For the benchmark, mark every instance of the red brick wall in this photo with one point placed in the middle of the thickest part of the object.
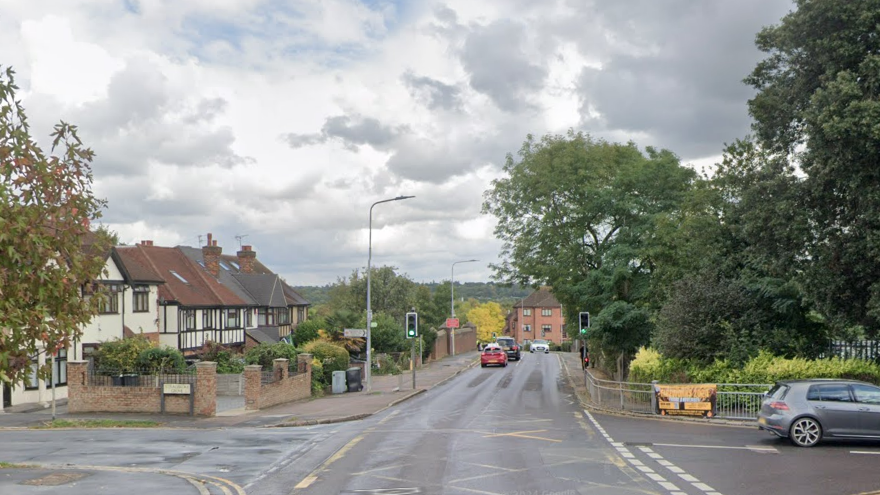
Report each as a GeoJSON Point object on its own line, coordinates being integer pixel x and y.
{"type": "Point", "coordinates": [465, 340]}
{"type": "Point", "coordinates": [441, 345]}
{"type": "Point", "coordinates": [82, 397]}
{"type": "Point", "coordinates": [287, 389]}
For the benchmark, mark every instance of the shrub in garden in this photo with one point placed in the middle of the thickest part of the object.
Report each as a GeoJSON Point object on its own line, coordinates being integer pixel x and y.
{"type": "Point", "coordinates": [158, 360]}
{"type": "Point", "coordinates": [332, 357]}
{"type": "Point", "coordinates": [227, 361]}
{"type": "Point", "coordinates": [266, 354]}
{"type": "Point", "coordinates": [121, 355]}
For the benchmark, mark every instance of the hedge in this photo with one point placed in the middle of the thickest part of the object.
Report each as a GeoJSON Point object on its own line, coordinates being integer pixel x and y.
{"type": "Point", "coordinates": [333, 357]}
{"type": "Point", "coordinates": [650, 365]}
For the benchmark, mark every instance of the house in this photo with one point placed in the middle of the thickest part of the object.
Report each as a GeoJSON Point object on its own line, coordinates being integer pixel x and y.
{"type": "Point", "coordinates": [537, 316]}
{"type": "Point", "coordinates": [130, 308]}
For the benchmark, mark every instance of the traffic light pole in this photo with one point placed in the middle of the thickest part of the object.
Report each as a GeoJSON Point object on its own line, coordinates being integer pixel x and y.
{"type": "Point", "coordinates": [413, 360]}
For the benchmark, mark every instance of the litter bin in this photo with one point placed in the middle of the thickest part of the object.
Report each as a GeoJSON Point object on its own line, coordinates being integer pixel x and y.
{"type": "Point", "coordinates": [338, 385]}
{"type": "Point", "coordinates": [353, 376]}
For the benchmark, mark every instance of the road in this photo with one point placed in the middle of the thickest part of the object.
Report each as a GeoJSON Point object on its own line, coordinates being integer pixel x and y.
{"type": "Point", "coordinates": [513, 430]}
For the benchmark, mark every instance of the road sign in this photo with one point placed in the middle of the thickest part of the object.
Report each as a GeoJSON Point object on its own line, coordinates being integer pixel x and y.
{"type": "Point", "coordinates": [354, 333]}
{"type": "Point", "coordinates": [451, 322]}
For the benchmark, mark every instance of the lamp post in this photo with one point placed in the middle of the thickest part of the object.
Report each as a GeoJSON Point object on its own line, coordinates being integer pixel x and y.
{"type": "Point", "coordinates": [369, 367]}
{"type": "Point", "coordinates": [452, 297]}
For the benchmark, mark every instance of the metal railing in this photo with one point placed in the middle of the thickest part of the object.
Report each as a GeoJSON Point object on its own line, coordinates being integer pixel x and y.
{"type": "Point", "coordinates": [733, 401]}
{"type": "Point", "coordinates": [137, 378]}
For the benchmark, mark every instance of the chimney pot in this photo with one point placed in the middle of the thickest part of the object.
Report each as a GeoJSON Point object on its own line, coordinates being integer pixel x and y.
{"type": "Point", "coordinates": [245, 248]}
{"type": "Point", "coordinates": [209, 239]}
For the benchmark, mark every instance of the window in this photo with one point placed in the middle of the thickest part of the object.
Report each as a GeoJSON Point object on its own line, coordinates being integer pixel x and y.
{"type": "Point", "coordinates": [300, 314]}
{"type": "Point", "coordinates": [178, 276]}
{"type": "Point", "coordinates": [283, 316]}
{"type": "Point", "coordinates": [32, 380]}
{"type": "Point", "coordinates": [235, 265]}
{"type": "Point", "coordinates": [546, 329]}
{"type": "Point", "coordinates": [527, 328]}
{"type": "Point", "coordinates": [232, 318]}
{"type": "Point", "coordinates": [189, 316]}
{"type": "Point", "coordinates": [207, 318]}
{"type": "Point", "coordinates": [265, 316]}
{"type": "Point", "coordinates": [546, 312]}
{"type": "Point", "coordinates": [61, 367]}
{"type": "Point", "coordinates": [223, 266]}
{"type": "Point", "coordinates": [866, 393]}
{"type": "Point", "coordinates": [141, 298]}
{"type": "Point", "coordinates": [527, 312]}
{"type": "Point", "coordinates": [249, 317]}
{"type": "Point", "coordinates": [110, 305]}
{"type": "Point", "coordinates": [830, 392]}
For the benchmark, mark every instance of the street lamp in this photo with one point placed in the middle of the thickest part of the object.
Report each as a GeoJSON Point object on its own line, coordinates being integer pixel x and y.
{"type": "Point", "coordinates": [452, 297]}
{"type": "Point", "coordinates": [369, 367]}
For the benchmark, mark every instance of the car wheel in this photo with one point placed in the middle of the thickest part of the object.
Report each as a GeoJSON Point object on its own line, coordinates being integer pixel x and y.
{"type": "Point", "coordinates": [805, 432]}
{"type": "Point", "coordinates": [482, 365]}
{"type": "Point", "coordinates": [532, 352]}
{"type": "Point", "coordinates": [504, 365]}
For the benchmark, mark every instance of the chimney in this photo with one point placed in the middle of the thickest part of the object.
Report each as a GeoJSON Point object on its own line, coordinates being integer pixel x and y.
{"type": "Point", "coordinates": [211, 253]}
{"type": "Point", "coordinates": [246, 259]}
{"type": "Point", "coordinates": [146, 243]}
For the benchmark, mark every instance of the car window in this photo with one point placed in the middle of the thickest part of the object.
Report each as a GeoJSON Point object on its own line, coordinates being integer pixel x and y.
{"type": "Point", "coordinates": [831, 392]}
{"type": "Point", "coordinates": [504, 341]}
{"type": "Point", "coordinates": [778, 392]}
{"type": "Point", "coordinates": [866, 394]}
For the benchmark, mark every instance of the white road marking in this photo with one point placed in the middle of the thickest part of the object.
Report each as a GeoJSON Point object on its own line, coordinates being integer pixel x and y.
{"type": "Point", "coordinates": [864, 452]}
{"type": "Point", "coordinates": [755, 448]}
{"type": "Point", "coordinates": [670, 487]}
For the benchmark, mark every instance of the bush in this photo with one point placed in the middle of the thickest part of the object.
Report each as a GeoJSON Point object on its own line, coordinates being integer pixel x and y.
{"type": "Point", "coordinates": [121, 355]}
{"type": "Point", "coordinates": [566, 346]}
{"type": "Point", "coordinates": [161, 360]}
{"type": "Point", "coordinates": [266, 354]}
{"type": "Point", "coordinates": [332, 357]}
{"type": "Point", "coordinates": [764, 368]}
{"type": "Point", "coordinates": [318, 383]}
{"type": "Point", "coordinates": [307, 331]}
{"type": "Point", "coordinates": [227, 361]}
{"type": "Point", "coordinates": [387, 365]}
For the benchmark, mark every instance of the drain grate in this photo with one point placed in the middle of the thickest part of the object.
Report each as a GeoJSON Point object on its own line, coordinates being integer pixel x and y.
{"type": "Point", "coordinates": [55, 479]}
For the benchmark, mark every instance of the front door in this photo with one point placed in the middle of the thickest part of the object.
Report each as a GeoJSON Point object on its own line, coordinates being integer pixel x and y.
{"type": "Point", "coordinates": [7, 395]}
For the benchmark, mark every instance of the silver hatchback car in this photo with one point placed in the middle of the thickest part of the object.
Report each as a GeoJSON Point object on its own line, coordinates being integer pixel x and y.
{"type": "Point", "coordinates": [806, 411]}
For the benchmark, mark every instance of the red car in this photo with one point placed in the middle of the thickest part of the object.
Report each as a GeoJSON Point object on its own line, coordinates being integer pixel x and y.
{"type": "Point", "coordinates": [493, 354]}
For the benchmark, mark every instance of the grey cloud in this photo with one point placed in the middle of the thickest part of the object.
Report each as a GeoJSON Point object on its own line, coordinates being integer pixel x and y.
{"type": "Point", "coordinates": [422, 160]}
{"type": "Point", "coordinates": [435, 94]}
{"type": "Point", "coordinates": [498, 66]}
{"type": "Point", "coordinates": [352, 131]}
{"type": "Point", "coordinates": [677, 74]}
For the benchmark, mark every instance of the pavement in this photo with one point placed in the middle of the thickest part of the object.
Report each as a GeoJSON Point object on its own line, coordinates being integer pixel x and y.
{"type": "Point", "coordinates": [387, 391]}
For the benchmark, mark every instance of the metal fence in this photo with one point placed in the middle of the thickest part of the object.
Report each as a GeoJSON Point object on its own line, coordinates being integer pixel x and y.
{"type": "Point", "coordinates": [138, 378]}
{"type": "Point", "coordinates": [869, 350]}
{"type": "Point", "coordinates": [734, 400]}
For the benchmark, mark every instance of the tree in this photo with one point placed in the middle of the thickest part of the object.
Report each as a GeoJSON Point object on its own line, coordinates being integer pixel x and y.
{"type": "Point", "coordinates": [818, 102]}
{"type": "Point", "coordinates": [49, 254]}
{"type": "Point", "coordinates": [489, 319]}
{"type": "Point", "coordinates": [579, 214]}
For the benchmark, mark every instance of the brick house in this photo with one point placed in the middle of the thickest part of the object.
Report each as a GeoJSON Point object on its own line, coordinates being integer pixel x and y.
{"type": "Point", "coordinates": [537, 316]}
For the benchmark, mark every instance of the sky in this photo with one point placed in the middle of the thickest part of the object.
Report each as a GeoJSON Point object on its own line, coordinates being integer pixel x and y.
{"type": "Point", "coordinates": [282, 122]}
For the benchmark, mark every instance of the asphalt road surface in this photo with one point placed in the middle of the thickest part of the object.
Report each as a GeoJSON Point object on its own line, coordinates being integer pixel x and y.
{"type": "Point", "coordinates": [513, 431]}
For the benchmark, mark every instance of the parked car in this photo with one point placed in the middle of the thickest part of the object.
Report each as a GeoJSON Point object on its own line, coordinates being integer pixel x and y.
{"type": "Point", "coordinates": [807, 411]}
{"type": "Point", "coordinates": [510, 347]}
{"type": "Point", "coordinates": [539, 346]}
{"type": "Point", "coordinates": [493, 354]}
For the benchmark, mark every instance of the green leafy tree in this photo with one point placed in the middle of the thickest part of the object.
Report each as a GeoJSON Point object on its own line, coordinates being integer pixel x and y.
{"type": "Point", "coordinates": [161, 360]}
{"type": "Point", "coordinates": [389, 334]}
{"type": "Point", "coordinates": [308, 330]}
{"type": "Point", "coordinates": [579, 214]}
{"type": "Point", "coordinates": [818, 102]}
{"type": "Point", "coordinates": [49, 254]}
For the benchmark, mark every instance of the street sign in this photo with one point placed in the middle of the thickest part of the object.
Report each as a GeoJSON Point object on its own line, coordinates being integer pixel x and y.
{"type": "Point", "coordinates": [451, 322]}
{"type": "Point", "coordinates": [354, 333]}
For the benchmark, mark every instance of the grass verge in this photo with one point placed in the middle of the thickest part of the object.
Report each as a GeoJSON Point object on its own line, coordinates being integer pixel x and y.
{"type": "Point", "coordinates": [97, 423]}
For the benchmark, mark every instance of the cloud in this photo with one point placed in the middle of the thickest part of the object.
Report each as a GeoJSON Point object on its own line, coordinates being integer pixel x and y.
{"type": "Point", "coordinates": [351, 131]}
{"type": "Point", "coordinates": [435, 94]}
{"type": "Point", "coordinates": [498, 66]}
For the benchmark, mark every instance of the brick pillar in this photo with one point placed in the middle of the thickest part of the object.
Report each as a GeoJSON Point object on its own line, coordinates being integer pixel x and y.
{"type": "Point", "coordinates": [252, 384]}
{"type": "Point", "coordinates": [206, 389]}
{"type": "Point", "coordinates": [307, 359]}
{"type": "Point", "coordinates": [279, 366]}
{"type": "Point", "coordinates": [76, 384]}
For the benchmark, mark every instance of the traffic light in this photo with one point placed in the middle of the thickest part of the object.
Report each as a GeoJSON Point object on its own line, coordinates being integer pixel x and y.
{"type": "Point", "coordinates": [412, 325]}
{"type": "Point", "coordinates": [584, 320]}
